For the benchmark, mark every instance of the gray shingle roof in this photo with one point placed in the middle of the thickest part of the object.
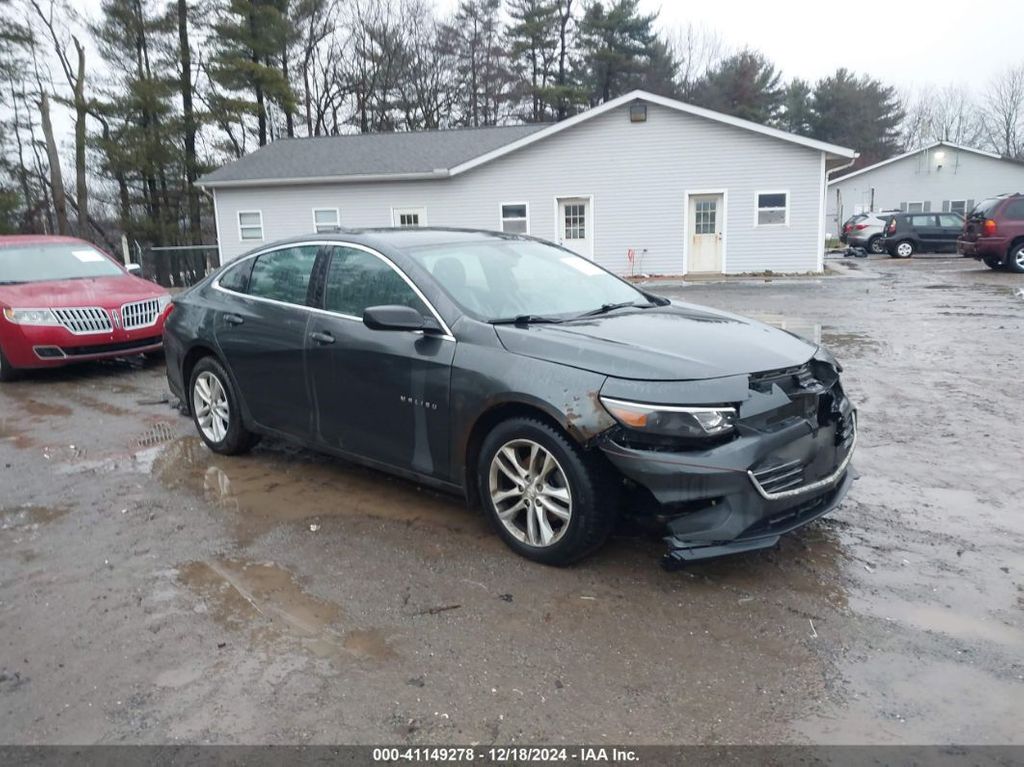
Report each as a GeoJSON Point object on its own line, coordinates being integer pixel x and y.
{"type": "Point", "coordinates": [367, 154]}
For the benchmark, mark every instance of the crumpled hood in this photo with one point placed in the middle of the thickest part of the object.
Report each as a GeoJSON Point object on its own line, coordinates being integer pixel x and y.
{"type": "Point", "coordinates": [107, 292]}
{"type": "Point", "coordinates": [671, 343]}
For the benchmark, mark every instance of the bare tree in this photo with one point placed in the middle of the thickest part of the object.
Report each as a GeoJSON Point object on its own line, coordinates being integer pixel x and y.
{"type": "Point", "coordinates": [1004, 111]}
{"type": "Point", "coordinates": [947, 114]}
{"type": "Point", "coordinates": [697, 48]}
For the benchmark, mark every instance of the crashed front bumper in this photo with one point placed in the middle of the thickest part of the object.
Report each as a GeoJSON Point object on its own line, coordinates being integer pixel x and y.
{"type": "Point", "coordinates": [744, 494]}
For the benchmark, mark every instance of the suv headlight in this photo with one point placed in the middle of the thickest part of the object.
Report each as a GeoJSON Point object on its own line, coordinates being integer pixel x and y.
{"type": "Point", "coordinates": [30, 316]}
{"type": "Point", "coordinates": [672, 420]}
{"type": "Point", "coordinates": [163, 302]}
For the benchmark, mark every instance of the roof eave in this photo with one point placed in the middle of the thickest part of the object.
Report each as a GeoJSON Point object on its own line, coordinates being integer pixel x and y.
{"type": "Point", "coordinates": [313, 180]}
{"type": "Point", "coordinates": [912, 152]}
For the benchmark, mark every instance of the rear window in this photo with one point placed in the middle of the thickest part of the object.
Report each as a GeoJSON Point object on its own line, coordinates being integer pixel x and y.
{"type": "Point", "coordinates": [1014, 210]}
{"type": "Point", "coordinates": [985, 208]}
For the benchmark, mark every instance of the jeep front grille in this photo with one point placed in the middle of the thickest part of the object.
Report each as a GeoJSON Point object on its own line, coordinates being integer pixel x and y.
{"type": "Point", "coordinates": [84, 320]}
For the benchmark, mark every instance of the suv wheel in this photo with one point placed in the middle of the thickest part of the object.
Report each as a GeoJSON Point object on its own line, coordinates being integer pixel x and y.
{"type": "Point", "coordinates": [549, 501]}
{"type": "Point", "coordinates": [903, 249]}
{"type": "Point", "coordinates": [875, 245]}
{"type": "Point", "coordinates": [1015, 258]}
{"type": "Point", "coordinates": [215, 411]}
{"type": "Point", "coordinates": [7, 372]}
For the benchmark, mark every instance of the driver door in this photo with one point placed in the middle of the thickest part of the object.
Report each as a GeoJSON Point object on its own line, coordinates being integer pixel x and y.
{"type": "Point", "coordinates": [378, 394]}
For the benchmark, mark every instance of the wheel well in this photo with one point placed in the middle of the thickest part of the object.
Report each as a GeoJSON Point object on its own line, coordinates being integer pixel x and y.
{"type": "Point", "coordinates": [188, 364]}
{"type": "Point", "coordinates": [487, 421]}
{"type": "Point", "coordinates": [1017, 241]}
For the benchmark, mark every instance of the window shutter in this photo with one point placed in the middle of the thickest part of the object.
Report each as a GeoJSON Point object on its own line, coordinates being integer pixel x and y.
{"type": "Point", "coordinates": [927, 206]}
{"type": "Point", "coordinates": [970, 205]}
{"type": "Point", "coordinates": [903, 207]}
{"type": "Point", "coordinates": [945, 206]}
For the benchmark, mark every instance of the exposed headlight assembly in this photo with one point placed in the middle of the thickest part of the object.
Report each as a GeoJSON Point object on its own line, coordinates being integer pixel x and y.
{"type": "Point", "coordinates": [163, 302]}
{"type": "Point", "coordinates": [672, 420]}
{"type": "Point", "coordinates": [30, 317]}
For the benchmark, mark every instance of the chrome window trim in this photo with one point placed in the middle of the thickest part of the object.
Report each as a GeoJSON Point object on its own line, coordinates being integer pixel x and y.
{"type": "Point", "coordinates": [820, 484]}
{"type": "Point", "coordinates": [445, 336]}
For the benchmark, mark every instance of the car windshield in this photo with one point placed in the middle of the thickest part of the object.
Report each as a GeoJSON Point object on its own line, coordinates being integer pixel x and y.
{"type": "Point", "coordinates": [53, 261]}
{"type": "Point", "coordinates": [502, 279]}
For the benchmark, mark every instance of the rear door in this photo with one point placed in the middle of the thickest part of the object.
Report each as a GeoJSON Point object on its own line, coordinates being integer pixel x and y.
{"type": "Point", "coordinates": [380, 394]}
{"type": "Point", "coordinates": [925, 228]}
{"type": "Point", "coordinates": [262, 335]}
{"type": "Point", "coordinates": [950, 227]}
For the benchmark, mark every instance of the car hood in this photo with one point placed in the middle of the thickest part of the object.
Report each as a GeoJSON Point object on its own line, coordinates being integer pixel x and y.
{"type": "Point", "coordinates": [679, 342]}
{"type": "Point", "coordinates": [107, 292]}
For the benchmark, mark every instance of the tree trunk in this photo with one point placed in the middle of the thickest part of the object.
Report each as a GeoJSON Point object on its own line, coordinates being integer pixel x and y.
{"type": "Point", "coordinates": [563, 55]}
{"type": "Point", "coordinates": [60, 205]}
{"type": "Point", "coordinates": [189, 120]}
{"type": "Point", "coordinates": [289, 117]}
{"type": "Point", "coordinates": [81, 110]}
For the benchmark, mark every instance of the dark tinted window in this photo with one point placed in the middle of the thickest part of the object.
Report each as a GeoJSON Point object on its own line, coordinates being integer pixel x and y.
{"type": "Point", "coordinates": [1014, 210]}
{"type": "Point", "coordinates": [357, 279]}
{"type": "Point", "coordinates": [236, 277]}
{"type": "Point", "coordinates": [283, 275]}
{"type": "Point", "coordinates": [984, 208]}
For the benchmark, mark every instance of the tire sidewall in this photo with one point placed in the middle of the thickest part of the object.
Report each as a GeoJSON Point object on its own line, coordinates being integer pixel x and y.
{"type": "Point", "coordinates": [1012, 263]}
{"type": "Point", "coordinates": [577, 540]}
{"type": "Point", "coordinates": [237, 436]}
{"type": "Point", "coordinates": [875, 245]}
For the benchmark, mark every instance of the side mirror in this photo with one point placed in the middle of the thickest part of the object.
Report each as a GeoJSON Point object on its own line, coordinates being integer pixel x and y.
{"type": "Point", "coordinates": [397, 318]}
{"type": "Point", "coordinates": [135, 269]}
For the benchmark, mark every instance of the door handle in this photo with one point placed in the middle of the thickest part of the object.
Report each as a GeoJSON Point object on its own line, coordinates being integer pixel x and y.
{"type": "Point", "coordinates": [322, 338]}
{"type": "Point", "coordinates": [234, 319]}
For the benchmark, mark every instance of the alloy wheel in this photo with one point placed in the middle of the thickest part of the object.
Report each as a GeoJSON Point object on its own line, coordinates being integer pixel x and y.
{"type": "Point", "coordinates": [210, 404]}
{"type": "Point", "coordinates": [1018, 259]}
{"type": "Point", "coordinates": [530, 493]}
{"type": "Point", "coordinates": [904, 250]}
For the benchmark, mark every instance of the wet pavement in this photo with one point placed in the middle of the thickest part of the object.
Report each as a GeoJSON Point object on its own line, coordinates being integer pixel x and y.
{"type": "Point", "coordinates": [153, 592]}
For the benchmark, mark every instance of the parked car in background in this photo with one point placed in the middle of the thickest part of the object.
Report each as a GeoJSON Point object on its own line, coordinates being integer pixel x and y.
{"type": "Point", "coordinates": [63, 301]}
{"type": "Point", "coordinates": [994, 233]}
{"type": "Point", "coordinates": [844, 234]}
{"type": "Point", "coordinates": [523, 376]}
{"type": "Point", "coordinates": [909, 233]}
{"type": "Point", "coordinates": [867, 231]}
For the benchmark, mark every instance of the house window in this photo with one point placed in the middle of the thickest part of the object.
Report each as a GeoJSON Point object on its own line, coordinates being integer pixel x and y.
{"type": "Point", "coordinates": [326, 219]}
{"type": "Point", "coordinates": [958, 206]}
{"type": "Point", "coordinates": [250, 225]}
{"type": "Point", "coordinates": [408, 216]}
{"type": "Point", "coordinates": [915, 207]}
{"type": "Point", "coordinates": [772, 209]}
{"type": "Point", "coordinates": [576, 221]}
{"type": "Point", "coordinates": [515, 218]}
{"type": "Point", "coordinates": [705, 212]}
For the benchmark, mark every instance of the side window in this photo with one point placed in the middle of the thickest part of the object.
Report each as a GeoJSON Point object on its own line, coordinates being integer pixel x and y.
{"type": "Point", "coordinates": [357, 279]}
{"type": "Point", "coordinates": [1014, 210]}
{"type": "Point", "coordinates": [920, 222]}
{"type": "Point", "coordinates": [949, 221]}
{"type": "Point", "coordinates": [236, 277]}
{"type": "Point", "coordinates": [283, 275]}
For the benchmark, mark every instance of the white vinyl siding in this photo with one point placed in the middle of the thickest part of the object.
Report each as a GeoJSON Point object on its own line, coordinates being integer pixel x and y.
{"type": "Point", "coordinates": [250, 225]}
{"type": "Point", "coordinates": [515, 217]}
{"type": "Point", "coordinates": [636, 175]}
{"type": "Point", "coordinates": [326, 219]}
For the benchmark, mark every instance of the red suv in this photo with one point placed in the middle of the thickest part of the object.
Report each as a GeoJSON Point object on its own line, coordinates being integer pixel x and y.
{"type": "Point", "coordinates": [994, 233]}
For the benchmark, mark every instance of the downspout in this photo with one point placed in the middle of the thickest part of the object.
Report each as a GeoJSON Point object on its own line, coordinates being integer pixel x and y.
{"type": "Point", "coordinates": [828, 175]}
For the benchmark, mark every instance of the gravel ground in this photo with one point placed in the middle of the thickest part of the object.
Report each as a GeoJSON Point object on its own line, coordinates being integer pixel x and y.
{"type": "Point", "coordinates": [152, 592]}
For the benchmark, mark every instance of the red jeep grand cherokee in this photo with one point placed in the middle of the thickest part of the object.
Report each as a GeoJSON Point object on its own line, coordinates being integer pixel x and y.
{"type": "Point", "coordinates": [994, 233]}
{"type": "Point", "coordinates": [64, 301]}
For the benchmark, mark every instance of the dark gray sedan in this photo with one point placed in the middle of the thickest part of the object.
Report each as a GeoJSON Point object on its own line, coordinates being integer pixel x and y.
{"type": "Point", "coordinates": [522, 376]}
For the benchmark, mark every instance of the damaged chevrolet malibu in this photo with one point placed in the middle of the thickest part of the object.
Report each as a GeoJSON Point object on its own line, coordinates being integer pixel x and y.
{"type": "Point", "coordinates": [524, 377]}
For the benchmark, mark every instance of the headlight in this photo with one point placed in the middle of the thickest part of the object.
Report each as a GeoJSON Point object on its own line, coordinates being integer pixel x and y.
{"type": "Point", "coordinates": [163, 302]}
{"type": "Point", "coordinates": [672, 420]}
{"type": "Point", "coordinates": [30, 316]}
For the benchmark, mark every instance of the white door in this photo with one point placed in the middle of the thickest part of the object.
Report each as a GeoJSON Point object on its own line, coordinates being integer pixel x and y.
{"type": "Point", "coordinates": [575, 225]}
{"type": "Point", "coordinates": [705, 233]}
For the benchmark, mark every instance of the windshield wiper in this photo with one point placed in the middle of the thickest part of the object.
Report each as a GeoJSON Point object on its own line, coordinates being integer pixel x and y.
{"type": "Point", "coordinates": [605, 308]}
{"type": "Point", "coordinates": [525, 319]}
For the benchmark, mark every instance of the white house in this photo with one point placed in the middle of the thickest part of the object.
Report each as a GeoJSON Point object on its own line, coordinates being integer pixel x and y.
{"type": "Point", "coordinates": [641, 184]}
{"type": "Point", "coordinates": [940, 177]}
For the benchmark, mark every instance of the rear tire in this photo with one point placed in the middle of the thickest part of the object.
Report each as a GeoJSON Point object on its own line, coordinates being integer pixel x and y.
{"type": "Point", "coordinates": [875, 245]}
{"type": "Point", "coordinates": [215, 411]}
{"type": "Point", "coordinates": [7, 371]}
{"type": "Point", "coordinates": [1015, 258]}
{"type": "Point", "coordinates": [535, 483]}
{"type": "Point", "coordinates": [903, 249]}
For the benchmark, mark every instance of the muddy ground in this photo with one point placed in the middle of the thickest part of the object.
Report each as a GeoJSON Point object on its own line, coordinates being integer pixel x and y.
{"type": "Point", "coordinates": [151, 591]}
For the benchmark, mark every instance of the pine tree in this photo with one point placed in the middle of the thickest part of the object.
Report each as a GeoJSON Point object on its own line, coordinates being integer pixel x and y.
{"type": "Point", "coordinates": [857, 112]}
{"type": "Point", "coordinates": [616, 45]}
{"type": "Point", "coordinates": [533, 50]}
{"type": "Point", "coordinates": [744, 85]}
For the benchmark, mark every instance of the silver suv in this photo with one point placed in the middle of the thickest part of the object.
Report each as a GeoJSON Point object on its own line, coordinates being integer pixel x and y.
{"type": "Point", "coordinates": [866, 231]}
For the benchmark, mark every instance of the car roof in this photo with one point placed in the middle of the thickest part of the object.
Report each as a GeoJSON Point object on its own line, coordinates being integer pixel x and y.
{"type": "Point", "coordinates": [12, 240]}
{"type": "Point", "coordinates": [399, 238]}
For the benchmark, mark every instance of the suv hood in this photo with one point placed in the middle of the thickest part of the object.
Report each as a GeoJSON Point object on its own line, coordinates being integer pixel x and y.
{"type": "Point", "coordinates": [678, 342]}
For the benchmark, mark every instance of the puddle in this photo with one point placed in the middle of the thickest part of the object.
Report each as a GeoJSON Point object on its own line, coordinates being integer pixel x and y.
{"type": "Point", "coordinates": [281, 486]}
{"type": "Point", "coordinates": [30, 516]}
{"type": "Point", "coordinates": [268, 600]}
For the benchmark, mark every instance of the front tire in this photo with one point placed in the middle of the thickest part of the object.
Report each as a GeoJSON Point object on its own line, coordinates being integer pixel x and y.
{"type": "Point", "coordinates": [549, 500]}
{"type": "Point", "coordinates": [7, 371]}
{"type": "Point", "coordinates": [1015, 258]}
{"type": "Point", "coordinates": [215, 410]}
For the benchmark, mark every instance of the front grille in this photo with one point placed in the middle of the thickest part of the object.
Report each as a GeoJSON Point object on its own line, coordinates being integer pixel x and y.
{"type": "Point", "coordinates": [140, 314]}
{"type": "Point", "coordinates": [781, 476]}
{"type": "Point", "coordinates": [127, 346]}
{"type": "Point", "coordinates": [84, 320]}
